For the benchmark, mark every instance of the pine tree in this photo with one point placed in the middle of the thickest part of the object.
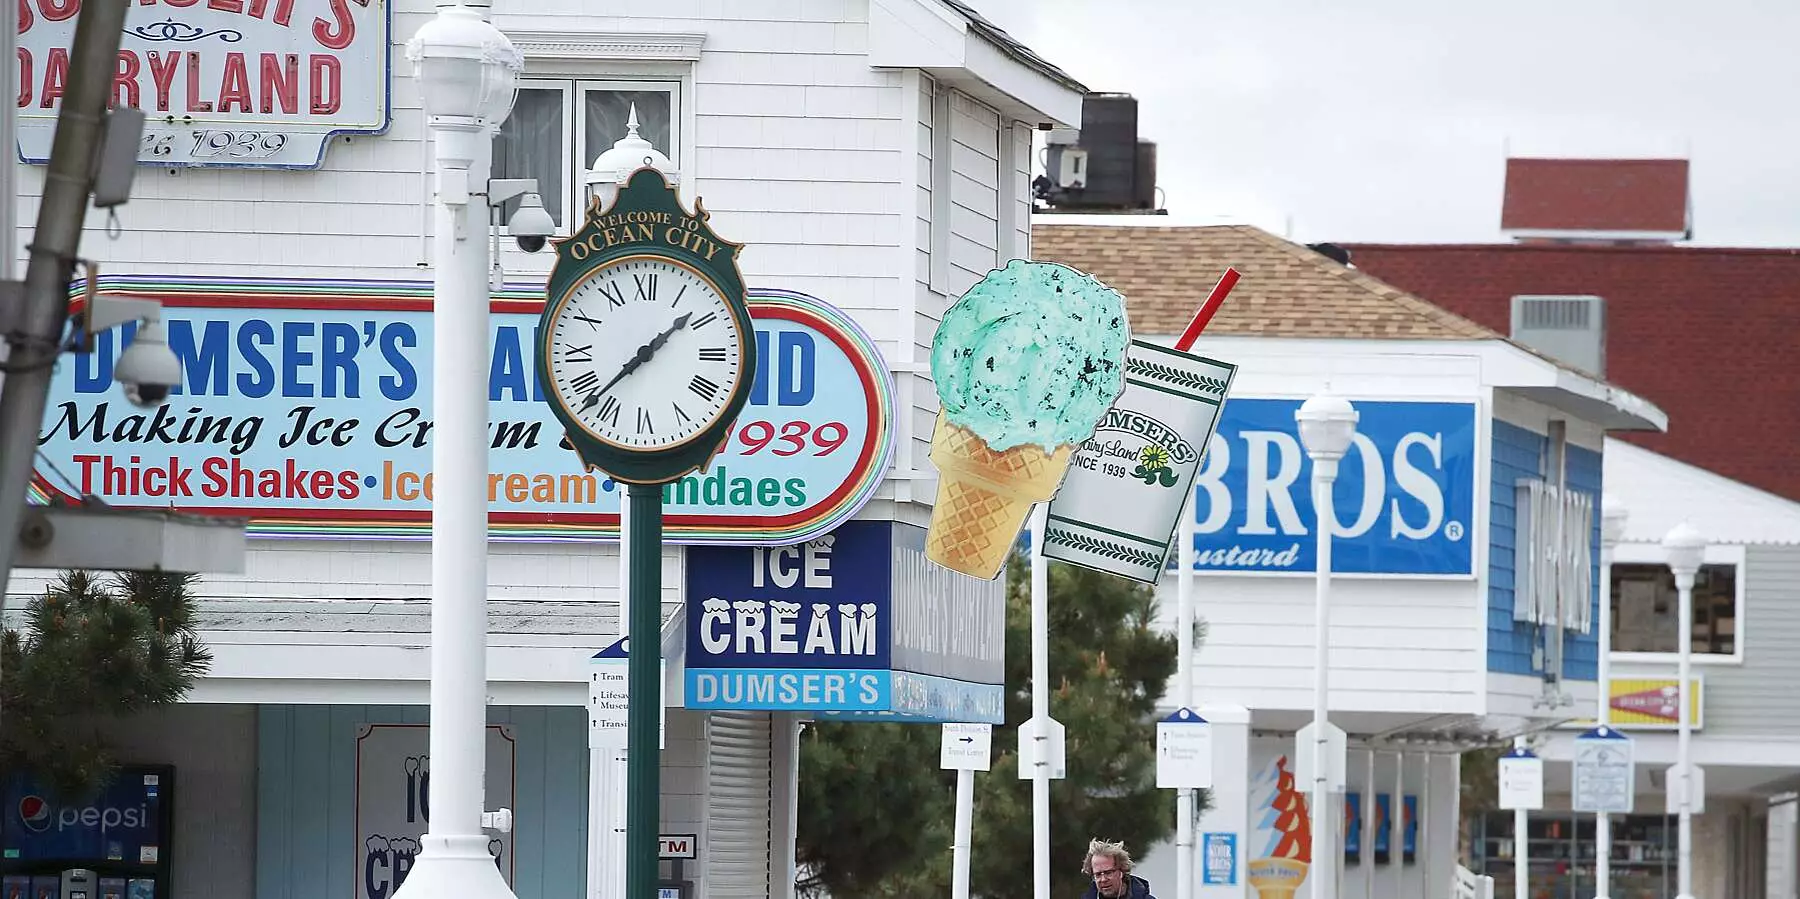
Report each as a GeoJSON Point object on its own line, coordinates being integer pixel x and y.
{"type": "Point", "coordinates": [92, 652]}
{"type": "Point", "coordinates": [876, 813]}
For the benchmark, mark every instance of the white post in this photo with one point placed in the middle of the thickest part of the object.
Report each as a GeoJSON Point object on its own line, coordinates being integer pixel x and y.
{"type": "Point", "coordinates": [1521, 844]}
{"type": "Point", "coordinates": [1324, 839]}
{"type": "Point", "coordinates": [606, 795]}
{"type": "Point", "coordinates": [1040, 704]}
{"type": "Point", "coordinates": [1686, 551]}
{"type": "Point", "coordinates": [1327, 429]}
{"type": "Point", "coordinates": [1366, 852]}
{"type": "Point", "coordinates": [1612, 529]}
{"type": "Point", "coordinates": [965, 828]}
{"type": "Point", "coordinates": [1184, 691]}
{"type": "Point", "coordinates": [1684, 589]}
{"type": "Point", "coordinates": [453, 857]}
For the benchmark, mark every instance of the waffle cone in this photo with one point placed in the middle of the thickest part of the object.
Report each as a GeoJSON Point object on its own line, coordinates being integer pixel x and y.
{"type": "Point", "coordinates": [984, 496]}
{"type": "Point", "coordinates": [1276, 878]}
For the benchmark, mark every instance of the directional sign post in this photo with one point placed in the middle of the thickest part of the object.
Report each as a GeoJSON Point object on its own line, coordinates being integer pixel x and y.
{"type": "Point", "coordinates": [608, 680]}
{"type": "Point", "coordinates": [966, 747]}
{"type": "Point", "coordinates": [1605, 773]}
{"type": "Point", "coordinates": [1183, 751]}
{"type": "Point", "coordinates": [1521, 780]}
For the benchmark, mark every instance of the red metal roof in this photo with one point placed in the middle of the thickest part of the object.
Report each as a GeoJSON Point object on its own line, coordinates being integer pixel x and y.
{"type": "Point", "coordinates": [1611, 195]}
{"type": "Point", "coordinates": [1711, 335]}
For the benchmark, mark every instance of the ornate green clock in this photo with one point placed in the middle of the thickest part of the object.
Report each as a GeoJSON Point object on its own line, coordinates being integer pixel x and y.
{"type": "Point", "coordinates": [645, 346]}
{"type": "Point", "coordinates": [646, 354]}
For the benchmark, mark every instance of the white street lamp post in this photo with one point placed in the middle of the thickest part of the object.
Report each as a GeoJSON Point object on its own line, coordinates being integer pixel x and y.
{"type": "Point", "coordinates": [467, 72]}
{"type": "Point", "coordinates": [1686, 550]}
{"type": "Point", "coordinates": [1612, 530]}
{"type": "Point", "coordinates": [1327, 427]}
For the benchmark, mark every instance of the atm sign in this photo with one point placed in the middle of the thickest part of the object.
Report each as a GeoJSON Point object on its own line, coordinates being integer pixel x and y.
{"type": "Point", "coordinates": [676, 845]}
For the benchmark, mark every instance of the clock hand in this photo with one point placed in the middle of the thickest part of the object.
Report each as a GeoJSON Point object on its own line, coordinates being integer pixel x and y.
{"type": "Point", "coordinates": [640, 357]}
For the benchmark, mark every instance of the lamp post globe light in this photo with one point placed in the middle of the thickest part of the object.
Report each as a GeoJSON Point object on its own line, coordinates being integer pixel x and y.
{"type": "Point", "coordinates": [1612, 531]}
{"type": "Point", "coordinates": [1327, 428]}
{"type": "Point", "coordinates": [613, 168]}
{"type": "Point", "coordinates": [1685, 550]}
{"type": "Point", "coordinates": [468, 74]}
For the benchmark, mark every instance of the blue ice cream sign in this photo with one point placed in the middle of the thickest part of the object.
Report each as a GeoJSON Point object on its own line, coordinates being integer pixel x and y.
{"type": "Point", "coordinates": [1404, 495]}
{"type": "Point", "coordinates": [852, 622]}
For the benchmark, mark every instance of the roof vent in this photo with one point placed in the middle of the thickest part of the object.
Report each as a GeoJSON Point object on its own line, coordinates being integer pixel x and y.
{"type": "Point", "coordinates": [1570, 329]}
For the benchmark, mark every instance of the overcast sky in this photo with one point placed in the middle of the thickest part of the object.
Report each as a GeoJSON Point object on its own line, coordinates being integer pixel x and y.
{"type": "Point", "coordinates": [1390, 120]}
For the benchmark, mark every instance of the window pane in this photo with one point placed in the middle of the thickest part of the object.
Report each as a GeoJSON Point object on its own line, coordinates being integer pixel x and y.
{"type": "Point", "coordinates": [530, 145]}
{"type": "Point", "coordinates": [1645, 607]}
{"type": "Point", "coordinates": [606, 112]}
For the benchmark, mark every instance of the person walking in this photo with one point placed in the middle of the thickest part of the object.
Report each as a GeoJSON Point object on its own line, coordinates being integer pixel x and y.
{"type": "Point", "coordinates": [1108, 864]}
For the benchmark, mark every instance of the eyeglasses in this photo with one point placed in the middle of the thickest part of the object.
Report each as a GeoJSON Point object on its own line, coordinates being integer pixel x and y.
{"type": "Point", "coordinates": [1101, 875]}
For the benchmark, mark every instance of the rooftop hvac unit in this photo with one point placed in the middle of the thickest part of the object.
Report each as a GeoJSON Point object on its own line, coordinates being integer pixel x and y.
{"type": "Point", "coordinates": [1570, 329]}
{"type": "Point", "coordinates": [1104, 167]}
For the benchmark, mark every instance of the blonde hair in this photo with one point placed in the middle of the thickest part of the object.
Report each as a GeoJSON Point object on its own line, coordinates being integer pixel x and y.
{"type": "Point", "coordinates": [1115, 851]}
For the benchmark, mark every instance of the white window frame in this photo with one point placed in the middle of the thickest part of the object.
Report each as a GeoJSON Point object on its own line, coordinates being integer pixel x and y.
{"type": "Point", "coordinates": [1652, 554]}
{"type": "Point", "coordinates": [575, 61]}
{"type": "Point", "coordinates": [574, 128]}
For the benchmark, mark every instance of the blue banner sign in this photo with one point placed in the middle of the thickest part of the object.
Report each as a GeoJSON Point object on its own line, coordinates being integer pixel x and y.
{"type": "Point", "coordinates": [1404, 495]}
{"type": "Point", "coordinates": [853, 622]}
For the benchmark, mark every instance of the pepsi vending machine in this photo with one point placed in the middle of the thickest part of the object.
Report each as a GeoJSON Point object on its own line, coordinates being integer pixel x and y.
{"type": "Point", "coordinates": [122, 836]}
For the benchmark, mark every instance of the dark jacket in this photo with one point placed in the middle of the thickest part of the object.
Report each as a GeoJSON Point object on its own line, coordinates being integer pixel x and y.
{"type": "Point", "coordinates": [1137, 888]}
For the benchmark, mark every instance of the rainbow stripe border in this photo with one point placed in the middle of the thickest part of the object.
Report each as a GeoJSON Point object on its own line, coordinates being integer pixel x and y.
{"type": "Point", "coordinates": [839, 506]}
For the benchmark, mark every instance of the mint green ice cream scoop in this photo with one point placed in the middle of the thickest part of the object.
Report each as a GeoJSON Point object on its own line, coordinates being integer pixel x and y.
{"type": "Point", "coordinates": [1033, 354]}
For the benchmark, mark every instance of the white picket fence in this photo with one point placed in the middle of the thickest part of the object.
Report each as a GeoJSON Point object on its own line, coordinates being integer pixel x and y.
{"type": "Point", "coordinates": [1466, 884]}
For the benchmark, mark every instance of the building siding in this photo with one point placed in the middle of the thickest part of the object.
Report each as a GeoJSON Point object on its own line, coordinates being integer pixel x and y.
{"type": "Point", "coordinates": [1756, 699]}
{"type": "Point", "coordinates": [1520, 453]}
{"type": "Point", "coordinates": [306, 795]}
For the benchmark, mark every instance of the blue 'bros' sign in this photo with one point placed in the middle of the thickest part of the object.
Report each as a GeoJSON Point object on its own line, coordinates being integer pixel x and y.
{"type": "Point", "coordinates": [1404, 495]}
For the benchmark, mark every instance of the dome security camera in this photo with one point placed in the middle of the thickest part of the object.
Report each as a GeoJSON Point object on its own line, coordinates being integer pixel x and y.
{"type": "Point", "coordinates": [148, 369]}
{"type": "Point", "coordinates": [530, 224]}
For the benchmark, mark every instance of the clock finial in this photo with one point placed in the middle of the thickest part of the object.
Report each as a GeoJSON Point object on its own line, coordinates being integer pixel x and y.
{"type": "Point", "coordinates": [631, 122]}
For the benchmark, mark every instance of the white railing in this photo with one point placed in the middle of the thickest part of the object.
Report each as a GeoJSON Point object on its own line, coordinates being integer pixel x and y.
{"type": "Point", "coordinates": [1466, 884]}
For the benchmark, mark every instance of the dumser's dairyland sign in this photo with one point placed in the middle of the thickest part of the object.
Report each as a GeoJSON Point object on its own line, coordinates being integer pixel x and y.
{"type": "Point", "coordinates": [247, 83]}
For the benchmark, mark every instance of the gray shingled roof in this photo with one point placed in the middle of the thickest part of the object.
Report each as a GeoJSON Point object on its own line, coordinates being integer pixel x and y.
{"type": "Point", "coordinates": [1011, 46]}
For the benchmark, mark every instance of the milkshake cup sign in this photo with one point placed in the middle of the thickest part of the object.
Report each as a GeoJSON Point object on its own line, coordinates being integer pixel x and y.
{"type": "Point", "coordinates": [1129, 482]}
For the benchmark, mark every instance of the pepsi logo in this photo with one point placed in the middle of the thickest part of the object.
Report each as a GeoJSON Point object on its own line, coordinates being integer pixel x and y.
{"type": "Point", "coordinates": [34, 811]}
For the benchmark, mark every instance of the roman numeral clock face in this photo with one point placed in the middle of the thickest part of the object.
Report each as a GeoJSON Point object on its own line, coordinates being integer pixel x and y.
{"type": "Point", "coordinates": [645, 353]}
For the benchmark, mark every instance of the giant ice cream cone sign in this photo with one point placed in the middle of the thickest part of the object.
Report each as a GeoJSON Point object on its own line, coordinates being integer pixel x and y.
{"type": "Point", "coordinates": [1025, 363]}
{"type": "Point", "coordinates": [1283, 865]}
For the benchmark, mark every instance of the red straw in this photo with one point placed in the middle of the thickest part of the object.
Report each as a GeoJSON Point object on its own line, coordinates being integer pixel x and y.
{"type": "Point", "coordinates": [1212, 304]}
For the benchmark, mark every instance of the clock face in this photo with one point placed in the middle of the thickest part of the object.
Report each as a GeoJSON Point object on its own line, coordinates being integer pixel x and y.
{"type": "Point", "coordinates": [645, 353]}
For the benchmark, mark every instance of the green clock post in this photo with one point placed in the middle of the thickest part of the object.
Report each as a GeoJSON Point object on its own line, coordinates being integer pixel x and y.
{"type": "Point", "coordinates": [646, 352]}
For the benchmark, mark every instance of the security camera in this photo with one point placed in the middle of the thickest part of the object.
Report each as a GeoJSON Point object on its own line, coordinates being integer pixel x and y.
{"type": "Point", "coordinates": [148, 368]}
{"type": "Point", "coordinates": [530, 225]}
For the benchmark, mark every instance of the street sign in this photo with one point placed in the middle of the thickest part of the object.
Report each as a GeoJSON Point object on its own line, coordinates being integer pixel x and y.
{"type": "Point", "coordinates": [1521, 780]}
{"type": "Point", "coordinates": [1672, 795]}
{"type": "Point", "coordinates": [1605, 776]}
{"type": "Point", "coordinates": [1028, 752]}
{"type": "Point", "coordinates": [1337, 748]}
{"type": "Point", "coordinates": [608, 691]}
{"type": "Point", "coordinates": [966, 747]}
{"type": "Point", "coordinates": [1183, 751]}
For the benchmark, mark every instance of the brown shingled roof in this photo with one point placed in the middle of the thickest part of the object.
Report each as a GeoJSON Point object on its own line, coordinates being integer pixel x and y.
{"type": "Point", "coordinates": [1287, 291]}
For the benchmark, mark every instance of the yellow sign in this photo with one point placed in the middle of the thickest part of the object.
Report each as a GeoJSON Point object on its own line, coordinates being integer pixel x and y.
{"type": "Point", "coordinates": [1651, 703]}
